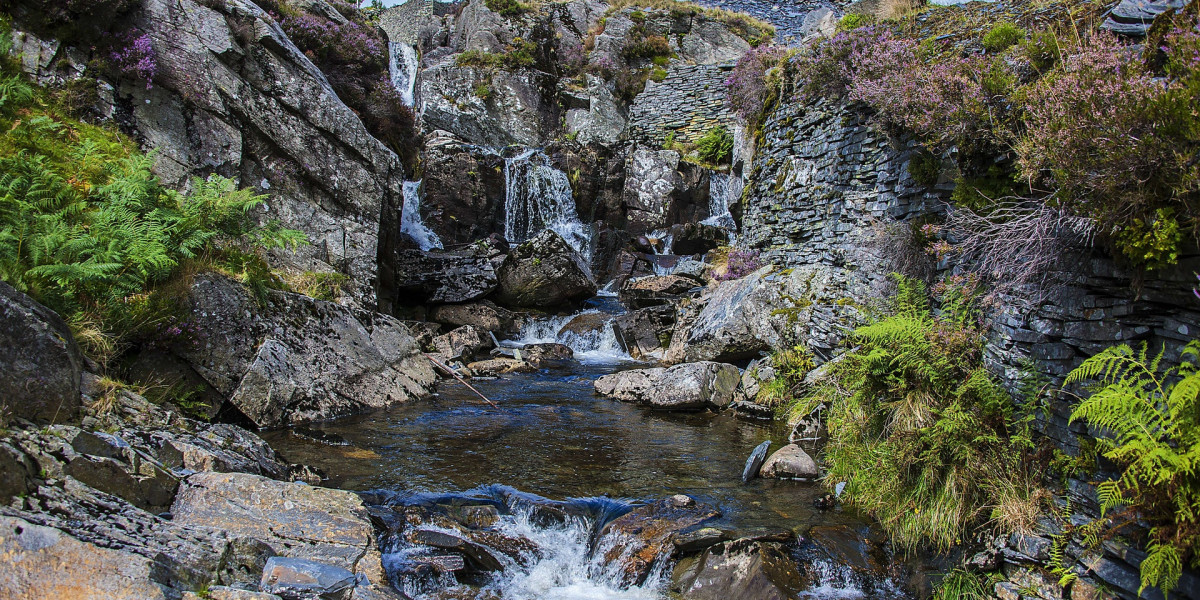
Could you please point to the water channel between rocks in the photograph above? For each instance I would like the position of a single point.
(552, 437)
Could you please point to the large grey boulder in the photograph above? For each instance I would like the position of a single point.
(661, 190)
(419, 277)
(790, 462)
(517, 110)
(40, 363)
(294, 359)
(544, 272)
(688, 386)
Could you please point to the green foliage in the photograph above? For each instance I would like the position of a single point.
(1151, 242)
(791, 366)
(918, 429)
(508, 8)
(1150, 414)
(519, 53)
(979, 192)
(1001, 37)
(925, 168)
(852, 21)
(657, 74)
(963, 585)
(1042, 50)
(716, 146)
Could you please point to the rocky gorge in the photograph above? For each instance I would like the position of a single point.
(521, 286)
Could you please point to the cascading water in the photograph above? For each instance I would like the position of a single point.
(723, 190)
(403, 69)
(591, 346)
(410, 218)
(538, 197)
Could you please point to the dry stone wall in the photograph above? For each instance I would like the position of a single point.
(690, 101)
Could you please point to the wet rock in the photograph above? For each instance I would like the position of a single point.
(655, 290)
(464, 342)
(692, 542)
(296, 520)
(688, 386)
(40, 363)
(755, 460)
(846, 546)
(638, 537)
(697, 238)
(499, 366)
(741, 569)
(790, 462)
(480, 557)
(585, 324)
(544, 355)
(294, 359)
(464, 191)
(646, 332)
(440, 277)
(544, 272)
(482, 315)
(301, 579)
(41, 562)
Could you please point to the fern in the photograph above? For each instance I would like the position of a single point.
(1149, 423)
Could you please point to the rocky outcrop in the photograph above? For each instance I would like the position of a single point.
(688, 386)
(417, 277)
(544, 272)
(39, 359)
(294, 359)
(661, 190)
(638, 537)
(740, 569)
(464, 189)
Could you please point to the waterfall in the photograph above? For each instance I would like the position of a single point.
(403, 67)
(538, 197)
(723, 189)
(597, 346)
(410, 218)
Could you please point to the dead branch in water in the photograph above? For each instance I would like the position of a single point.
(460, 379)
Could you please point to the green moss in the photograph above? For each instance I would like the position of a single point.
(658, 74)
(853, 21)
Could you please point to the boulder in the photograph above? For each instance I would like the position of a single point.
(294, 519)
(640, 536)
(482, 315)
(300, 578)
(479, 557)
(464, 342)
(499, 366)
(740, 569)
(661, 190)
(585, 324)
(544, 355)
(690, 386)
(655, 290)
(420, 277)
(1134, 17)
(42, 562)
(40, 363)
(601, 119)
(293, 359)
(646, 331)
(790, 462)
(544, 272)
(519, 109)
(696, 238)
(464, 189)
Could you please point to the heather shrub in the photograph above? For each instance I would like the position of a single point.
(1001, 37)
(736, 264)
(137, 59)
(1041, 50)
(747, 89)
(1119, 144)
(822, 68)
(646, 46)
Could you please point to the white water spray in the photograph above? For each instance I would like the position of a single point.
(538, 197)
(410, 218)
(598, 346)
(403, 69)
(723, 190)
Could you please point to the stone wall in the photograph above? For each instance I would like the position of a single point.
(832, 193)
(689, 102)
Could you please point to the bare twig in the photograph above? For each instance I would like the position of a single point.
(460, 379)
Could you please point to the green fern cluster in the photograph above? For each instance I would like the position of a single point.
(87, 228)
(1149, 417)
(917, 427)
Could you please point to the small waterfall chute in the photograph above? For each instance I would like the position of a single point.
(410, 218)
(403, 65)
(723, 190)
(538, 197)
(600, 345)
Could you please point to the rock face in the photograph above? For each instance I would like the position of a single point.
(696, 238)
(740, 569)
(655, 290)
(417, 277)
(661, 190)
(39, 359)
(646, 331)
(643, 534)
(690, 386)
(297, 359)
(790, 462)
(464, 189)
(544, 272)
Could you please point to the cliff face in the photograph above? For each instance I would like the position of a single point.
(233, 95)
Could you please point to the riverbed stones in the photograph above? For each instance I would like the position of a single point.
(40, 363)
(690, 386)
(301, 578)
(638, 537)
(585, 324)
(499, 366)
(483, 315)
(544, 272)
(655, 290)
(790, 462)
(546, 355)
(294, 519)
(740, 569)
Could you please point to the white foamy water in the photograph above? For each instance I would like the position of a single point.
(402, 67)
(723, 190)
(410, 218)
(599, 346)
(538, 197)
(840, 582)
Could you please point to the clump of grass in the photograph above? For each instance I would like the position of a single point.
(1001, 37)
